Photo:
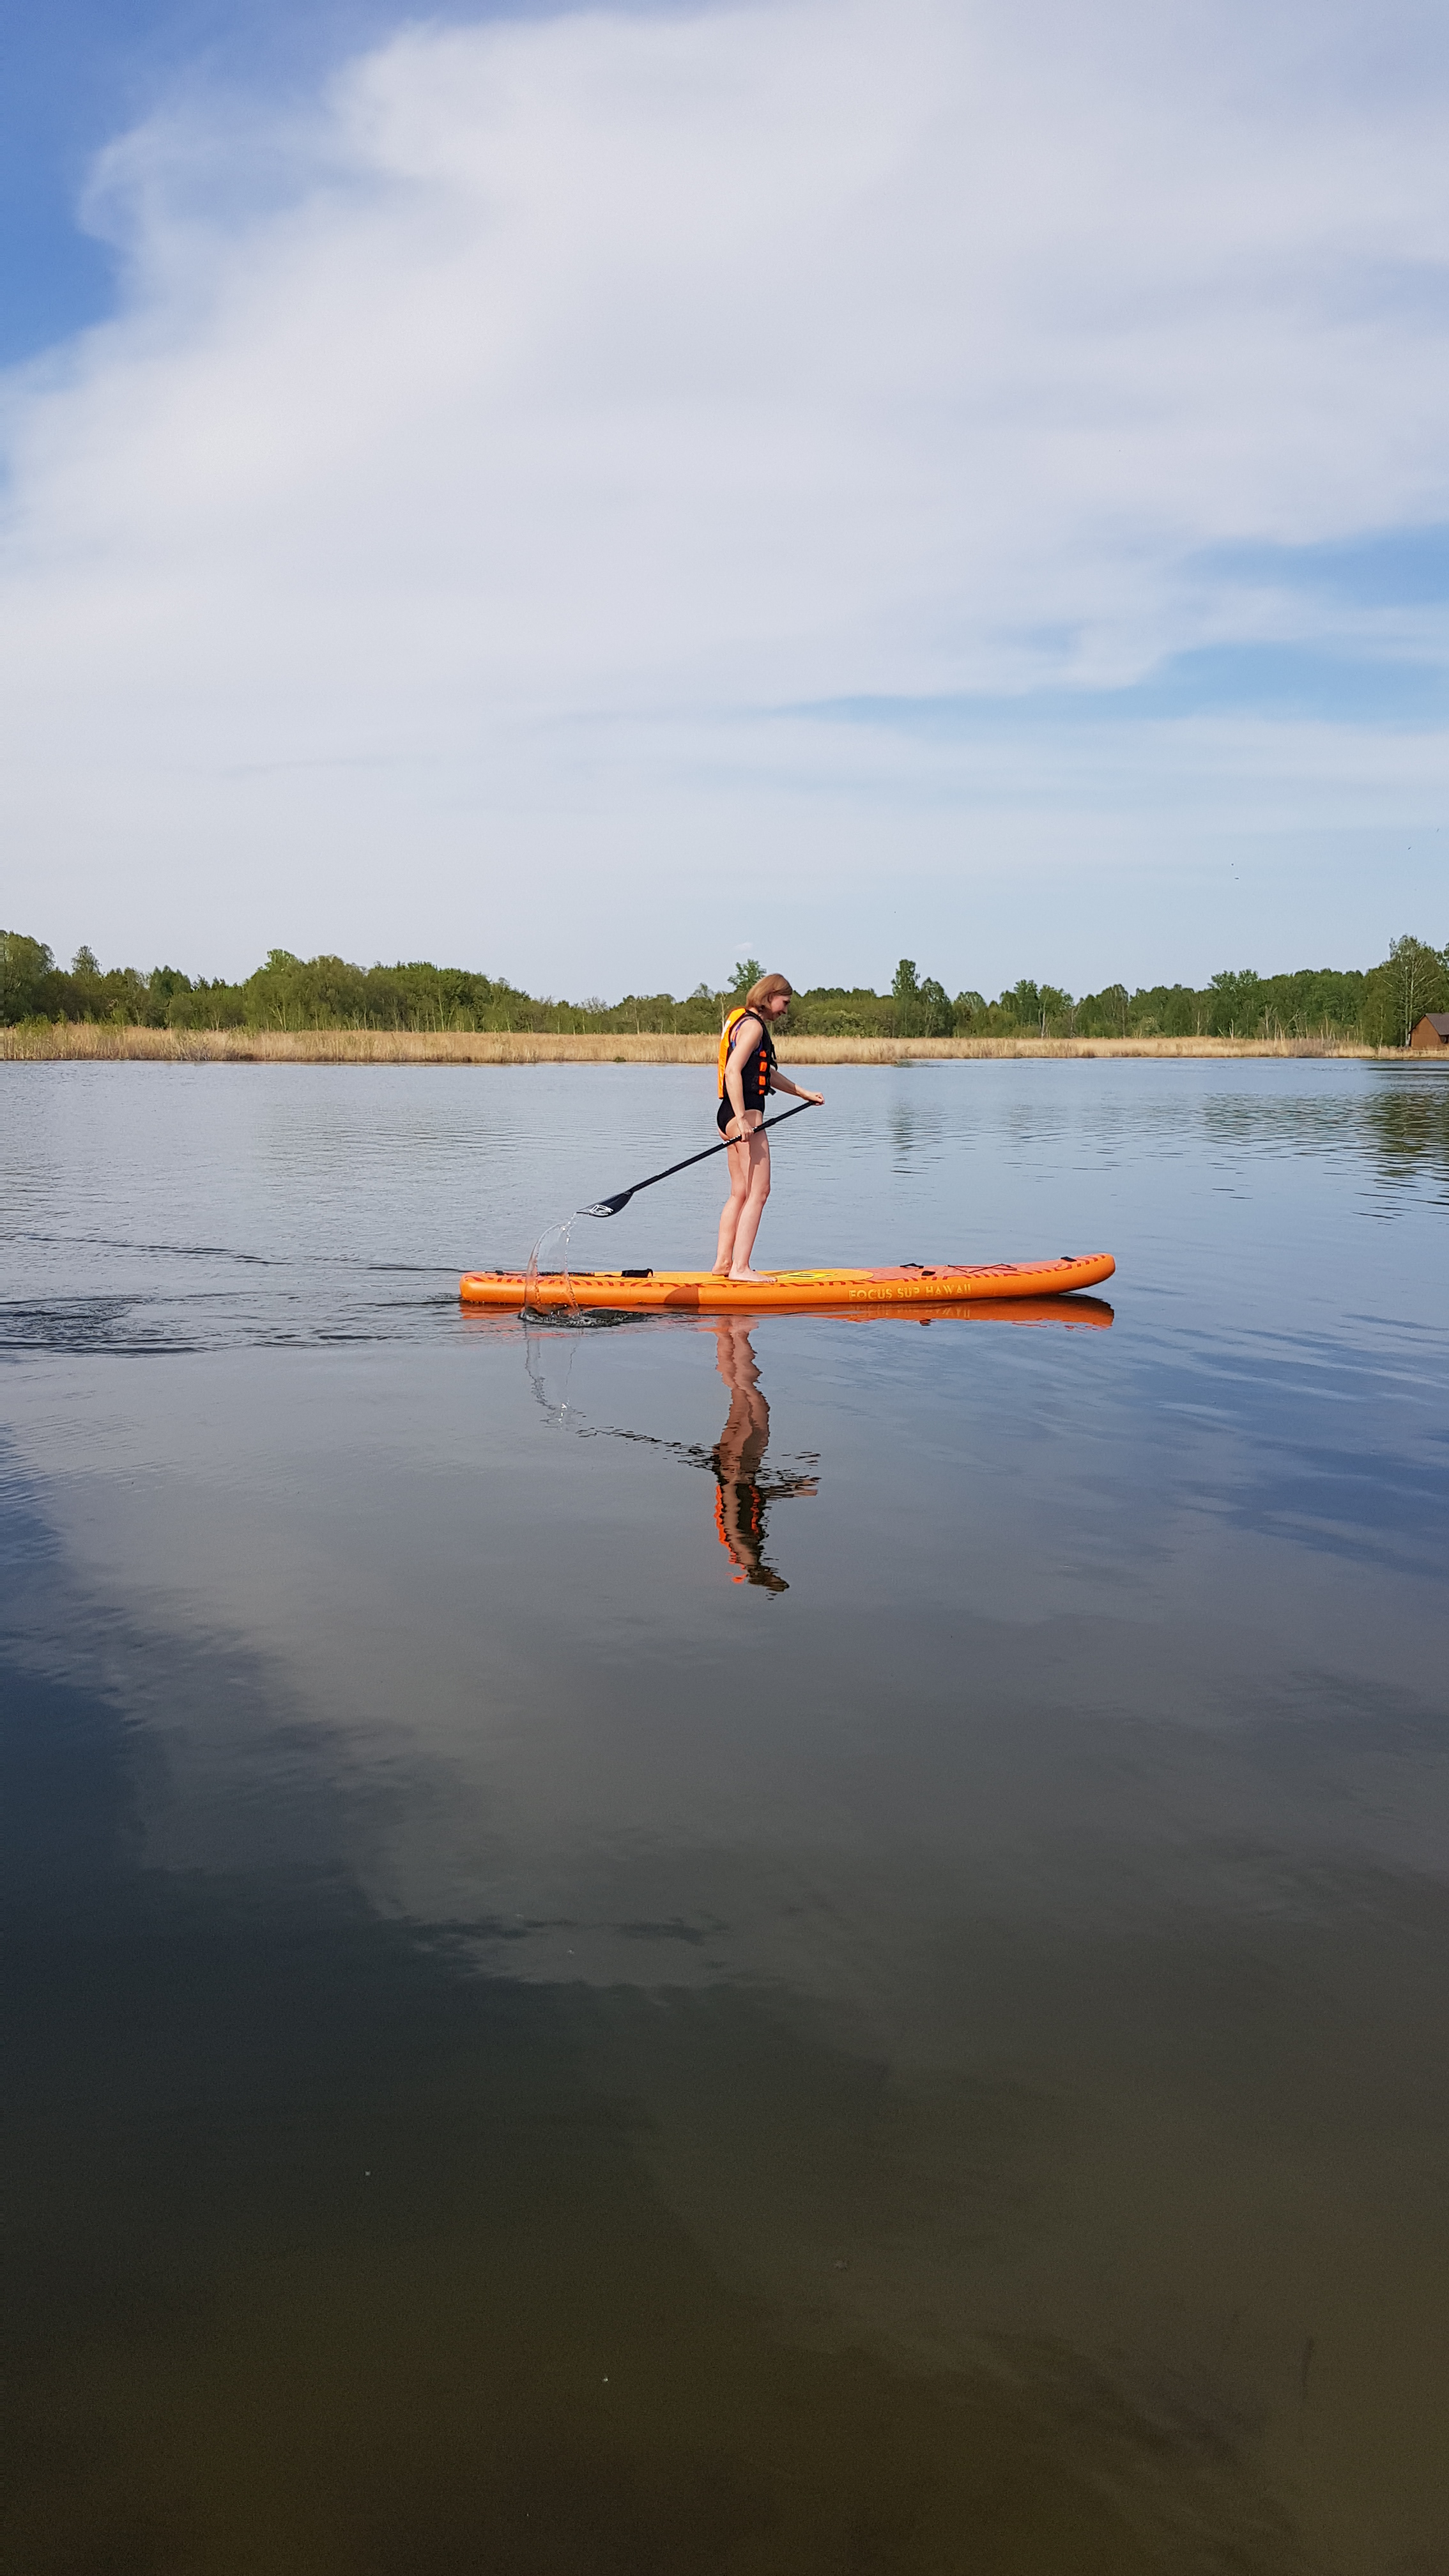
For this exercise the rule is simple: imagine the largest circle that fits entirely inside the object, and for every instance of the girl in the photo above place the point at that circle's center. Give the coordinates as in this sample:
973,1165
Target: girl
747,1072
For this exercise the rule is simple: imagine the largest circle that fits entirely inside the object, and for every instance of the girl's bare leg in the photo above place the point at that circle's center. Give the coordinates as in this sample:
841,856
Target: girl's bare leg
747,1225
742,1441
740,1450
737,1161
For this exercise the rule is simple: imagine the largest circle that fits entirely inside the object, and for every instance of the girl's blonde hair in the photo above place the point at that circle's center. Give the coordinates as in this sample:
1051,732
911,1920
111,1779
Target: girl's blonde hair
766,989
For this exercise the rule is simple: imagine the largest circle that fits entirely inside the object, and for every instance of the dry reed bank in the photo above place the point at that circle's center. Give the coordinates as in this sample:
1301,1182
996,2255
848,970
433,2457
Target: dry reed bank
89,1041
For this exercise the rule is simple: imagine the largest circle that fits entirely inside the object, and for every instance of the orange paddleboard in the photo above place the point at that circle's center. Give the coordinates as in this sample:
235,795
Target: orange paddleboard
699,1292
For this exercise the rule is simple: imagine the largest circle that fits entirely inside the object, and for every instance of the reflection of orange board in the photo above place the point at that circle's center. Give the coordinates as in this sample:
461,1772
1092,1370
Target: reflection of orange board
1006,1310
700,1292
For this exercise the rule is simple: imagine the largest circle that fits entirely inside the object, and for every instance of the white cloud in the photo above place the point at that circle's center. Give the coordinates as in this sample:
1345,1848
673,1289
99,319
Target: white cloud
476,467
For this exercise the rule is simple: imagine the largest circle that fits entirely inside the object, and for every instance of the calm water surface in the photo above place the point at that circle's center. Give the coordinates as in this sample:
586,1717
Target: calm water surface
565,2014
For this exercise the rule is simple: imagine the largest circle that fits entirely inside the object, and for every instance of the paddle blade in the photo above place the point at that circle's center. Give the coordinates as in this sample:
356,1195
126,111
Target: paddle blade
608,1207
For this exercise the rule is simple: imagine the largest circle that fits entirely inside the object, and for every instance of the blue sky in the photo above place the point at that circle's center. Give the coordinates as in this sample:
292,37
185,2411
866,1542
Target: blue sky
590,492
77,72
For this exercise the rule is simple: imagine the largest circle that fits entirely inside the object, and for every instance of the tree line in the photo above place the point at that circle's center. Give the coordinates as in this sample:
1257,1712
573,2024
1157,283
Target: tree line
1376,1005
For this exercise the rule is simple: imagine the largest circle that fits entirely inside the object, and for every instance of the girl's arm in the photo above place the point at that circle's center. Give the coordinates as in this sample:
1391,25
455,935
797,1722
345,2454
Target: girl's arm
781,1082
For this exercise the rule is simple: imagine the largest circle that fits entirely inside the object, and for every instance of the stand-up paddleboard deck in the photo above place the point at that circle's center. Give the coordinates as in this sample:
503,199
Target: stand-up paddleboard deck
699,1292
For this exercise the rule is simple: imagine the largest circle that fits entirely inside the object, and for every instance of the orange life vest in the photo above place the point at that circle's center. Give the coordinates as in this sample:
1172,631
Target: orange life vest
759,1064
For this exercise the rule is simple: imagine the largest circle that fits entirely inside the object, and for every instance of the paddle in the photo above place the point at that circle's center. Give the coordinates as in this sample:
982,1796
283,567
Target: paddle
621,1198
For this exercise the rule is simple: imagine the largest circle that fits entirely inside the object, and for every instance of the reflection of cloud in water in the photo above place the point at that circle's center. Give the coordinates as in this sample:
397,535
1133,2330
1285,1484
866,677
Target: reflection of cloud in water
972,2075
594,2266
501,2072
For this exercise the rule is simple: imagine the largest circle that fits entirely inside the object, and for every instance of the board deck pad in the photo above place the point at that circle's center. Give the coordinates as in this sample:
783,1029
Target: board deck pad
700,1292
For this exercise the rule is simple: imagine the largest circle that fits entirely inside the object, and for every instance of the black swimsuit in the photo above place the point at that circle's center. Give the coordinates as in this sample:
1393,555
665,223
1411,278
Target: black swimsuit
758,1066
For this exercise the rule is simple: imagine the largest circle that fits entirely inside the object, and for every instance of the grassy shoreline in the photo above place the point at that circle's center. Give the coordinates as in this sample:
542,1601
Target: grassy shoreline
93,1042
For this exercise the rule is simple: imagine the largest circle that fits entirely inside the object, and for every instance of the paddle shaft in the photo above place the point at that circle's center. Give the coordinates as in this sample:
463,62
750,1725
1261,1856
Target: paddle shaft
621,1198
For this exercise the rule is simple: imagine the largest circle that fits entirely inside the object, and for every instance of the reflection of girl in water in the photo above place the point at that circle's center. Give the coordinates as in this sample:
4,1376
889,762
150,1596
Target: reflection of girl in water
742,1494
739,1454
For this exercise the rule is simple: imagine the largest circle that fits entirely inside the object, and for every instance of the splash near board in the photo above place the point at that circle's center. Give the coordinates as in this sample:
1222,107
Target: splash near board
700,1292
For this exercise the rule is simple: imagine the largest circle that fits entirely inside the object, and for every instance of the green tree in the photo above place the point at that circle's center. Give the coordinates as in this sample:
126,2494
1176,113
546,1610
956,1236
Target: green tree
906,995
1235,1004
1166,1010
1413,979
24,966
1043,1008
833,1011
937,1018
747,972
89,992
1021,1006
1107,1014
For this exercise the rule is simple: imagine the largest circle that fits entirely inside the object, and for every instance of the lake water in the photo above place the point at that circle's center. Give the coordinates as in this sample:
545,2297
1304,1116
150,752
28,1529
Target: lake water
564,2018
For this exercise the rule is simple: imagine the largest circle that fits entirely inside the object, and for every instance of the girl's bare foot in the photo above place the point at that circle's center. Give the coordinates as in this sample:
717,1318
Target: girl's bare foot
750,1275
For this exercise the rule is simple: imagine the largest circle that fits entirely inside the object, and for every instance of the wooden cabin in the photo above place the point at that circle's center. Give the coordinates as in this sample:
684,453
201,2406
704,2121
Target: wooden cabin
1431,1031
